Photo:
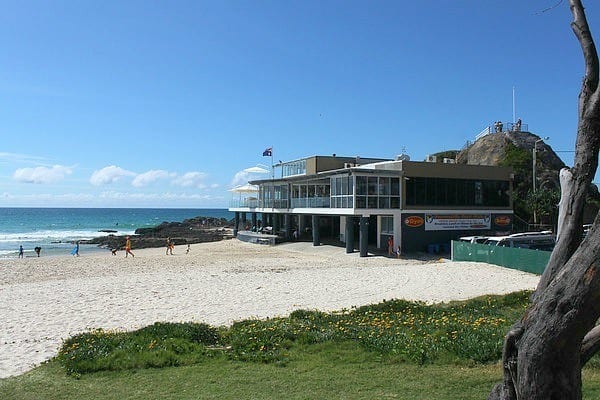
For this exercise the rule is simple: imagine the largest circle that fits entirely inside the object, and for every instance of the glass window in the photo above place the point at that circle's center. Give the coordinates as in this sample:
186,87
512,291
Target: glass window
372,189
361,185
395,186
478,193
384,186
387,225
384,202
372,202
361,201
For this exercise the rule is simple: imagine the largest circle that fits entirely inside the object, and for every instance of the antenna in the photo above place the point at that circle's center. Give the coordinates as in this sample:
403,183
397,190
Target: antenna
514,107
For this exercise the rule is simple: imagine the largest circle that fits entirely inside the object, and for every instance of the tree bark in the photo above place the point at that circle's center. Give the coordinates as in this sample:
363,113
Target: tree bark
544,351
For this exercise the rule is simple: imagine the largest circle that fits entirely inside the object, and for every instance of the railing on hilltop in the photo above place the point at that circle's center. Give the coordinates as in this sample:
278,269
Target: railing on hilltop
499,127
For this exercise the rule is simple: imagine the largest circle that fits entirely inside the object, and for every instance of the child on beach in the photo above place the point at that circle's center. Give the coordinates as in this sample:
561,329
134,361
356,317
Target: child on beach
128,247
170,246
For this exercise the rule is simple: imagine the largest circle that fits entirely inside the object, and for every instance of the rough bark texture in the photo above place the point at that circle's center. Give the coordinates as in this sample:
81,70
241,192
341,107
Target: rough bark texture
545,350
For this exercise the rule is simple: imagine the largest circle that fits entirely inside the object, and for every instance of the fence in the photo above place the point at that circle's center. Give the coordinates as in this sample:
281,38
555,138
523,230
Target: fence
526,260
502,127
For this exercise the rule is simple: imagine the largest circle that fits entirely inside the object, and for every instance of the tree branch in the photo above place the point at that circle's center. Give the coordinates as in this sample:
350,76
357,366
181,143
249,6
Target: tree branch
590,345
584,36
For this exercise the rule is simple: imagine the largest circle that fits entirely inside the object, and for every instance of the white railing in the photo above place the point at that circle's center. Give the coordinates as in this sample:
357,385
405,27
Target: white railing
483,133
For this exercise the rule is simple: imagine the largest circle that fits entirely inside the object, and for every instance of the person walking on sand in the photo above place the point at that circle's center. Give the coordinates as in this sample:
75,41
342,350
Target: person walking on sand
128,247
188,249
390,246
75,250
21,252
170,246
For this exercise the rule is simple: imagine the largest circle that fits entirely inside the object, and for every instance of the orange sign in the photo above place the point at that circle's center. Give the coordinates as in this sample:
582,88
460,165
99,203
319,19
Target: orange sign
502,220
414,221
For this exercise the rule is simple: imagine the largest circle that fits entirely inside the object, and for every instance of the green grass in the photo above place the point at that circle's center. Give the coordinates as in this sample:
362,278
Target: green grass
395,349
324,371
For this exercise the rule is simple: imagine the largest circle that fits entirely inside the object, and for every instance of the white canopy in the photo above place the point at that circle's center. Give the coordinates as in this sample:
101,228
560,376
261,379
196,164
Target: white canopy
247,188
257,170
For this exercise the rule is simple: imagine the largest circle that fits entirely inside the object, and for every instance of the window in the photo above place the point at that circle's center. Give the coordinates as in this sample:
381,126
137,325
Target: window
294,168
456,192
387,225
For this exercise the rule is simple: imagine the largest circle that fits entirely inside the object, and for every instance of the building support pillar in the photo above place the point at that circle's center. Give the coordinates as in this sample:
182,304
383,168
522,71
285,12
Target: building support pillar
287,221
349,235
236,223
253,222
244,221
315,230
364,236
276,224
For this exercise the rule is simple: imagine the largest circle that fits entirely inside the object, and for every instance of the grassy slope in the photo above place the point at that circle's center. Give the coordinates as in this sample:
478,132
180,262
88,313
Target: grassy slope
330,371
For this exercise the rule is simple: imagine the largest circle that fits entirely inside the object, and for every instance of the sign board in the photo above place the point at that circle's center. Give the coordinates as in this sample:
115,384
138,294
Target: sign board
456,222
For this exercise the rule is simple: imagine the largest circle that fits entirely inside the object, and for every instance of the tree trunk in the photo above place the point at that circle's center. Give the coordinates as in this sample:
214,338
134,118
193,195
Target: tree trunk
544,352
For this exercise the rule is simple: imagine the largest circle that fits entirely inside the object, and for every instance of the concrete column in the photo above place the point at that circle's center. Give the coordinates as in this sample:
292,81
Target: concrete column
398,231
287,221
236,223
364,236
349,234
253,221
244,220
276,223
315,230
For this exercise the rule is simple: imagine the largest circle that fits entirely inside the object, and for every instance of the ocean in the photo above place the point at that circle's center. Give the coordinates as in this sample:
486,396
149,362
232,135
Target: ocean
55,229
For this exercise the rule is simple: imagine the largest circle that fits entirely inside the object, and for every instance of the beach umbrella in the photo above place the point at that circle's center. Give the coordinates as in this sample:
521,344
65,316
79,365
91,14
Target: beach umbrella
247,188
257,170
244,189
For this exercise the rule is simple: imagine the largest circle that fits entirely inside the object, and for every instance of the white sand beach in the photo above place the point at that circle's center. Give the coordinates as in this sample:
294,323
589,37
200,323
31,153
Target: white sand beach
45,300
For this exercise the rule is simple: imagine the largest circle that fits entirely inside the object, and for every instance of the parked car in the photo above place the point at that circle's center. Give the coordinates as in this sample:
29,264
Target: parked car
473,239
544,240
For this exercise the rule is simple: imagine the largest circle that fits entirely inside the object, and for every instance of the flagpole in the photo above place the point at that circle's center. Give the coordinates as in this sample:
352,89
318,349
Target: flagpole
272,168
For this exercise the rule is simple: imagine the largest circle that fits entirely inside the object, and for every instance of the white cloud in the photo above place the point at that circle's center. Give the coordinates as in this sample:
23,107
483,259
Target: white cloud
150,177
109,174
191,179
42,175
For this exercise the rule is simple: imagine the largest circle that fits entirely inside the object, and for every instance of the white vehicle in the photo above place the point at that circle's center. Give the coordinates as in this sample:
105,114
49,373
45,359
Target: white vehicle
527,240
473,239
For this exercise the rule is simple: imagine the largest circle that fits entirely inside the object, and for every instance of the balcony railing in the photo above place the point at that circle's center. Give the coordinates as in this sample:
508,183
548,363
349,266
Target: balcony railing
307,202
311,202
243,203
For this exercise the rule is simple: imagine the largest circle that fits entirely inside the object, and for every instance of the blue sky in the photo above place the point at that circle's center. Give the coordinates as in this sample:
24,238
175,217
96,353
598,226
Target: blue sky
165,103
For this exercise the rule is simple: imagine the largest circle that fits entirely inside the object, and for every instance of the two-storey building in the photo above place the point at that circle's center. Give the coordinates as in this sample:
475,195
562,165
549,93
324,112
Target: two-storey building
365,201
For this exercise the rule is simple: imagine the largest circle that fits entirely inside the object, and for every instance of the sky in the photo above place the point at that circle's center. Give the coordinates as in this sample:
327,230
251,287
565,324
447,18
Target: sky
165,103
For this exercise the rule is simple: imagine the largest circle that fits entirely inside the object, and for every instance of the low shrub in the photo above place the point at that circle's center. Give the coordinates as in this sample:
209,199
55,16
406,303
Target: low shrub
157,345
470,331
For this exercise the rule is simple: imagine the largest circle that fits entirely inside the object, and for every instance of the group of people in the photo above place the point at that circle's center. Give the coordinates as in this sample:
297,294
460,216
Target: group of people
171,246
37,250
516,127
75,251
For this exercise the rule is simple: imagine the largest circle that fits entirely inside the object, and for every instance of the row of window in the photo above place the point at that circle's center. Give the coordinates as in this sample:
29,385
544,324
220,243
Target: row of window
384,193
457,192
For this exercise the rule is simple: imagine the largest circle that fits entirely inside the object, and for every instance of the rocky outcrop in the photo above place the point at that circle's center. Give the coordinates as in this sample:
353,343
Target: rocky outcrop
194,230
